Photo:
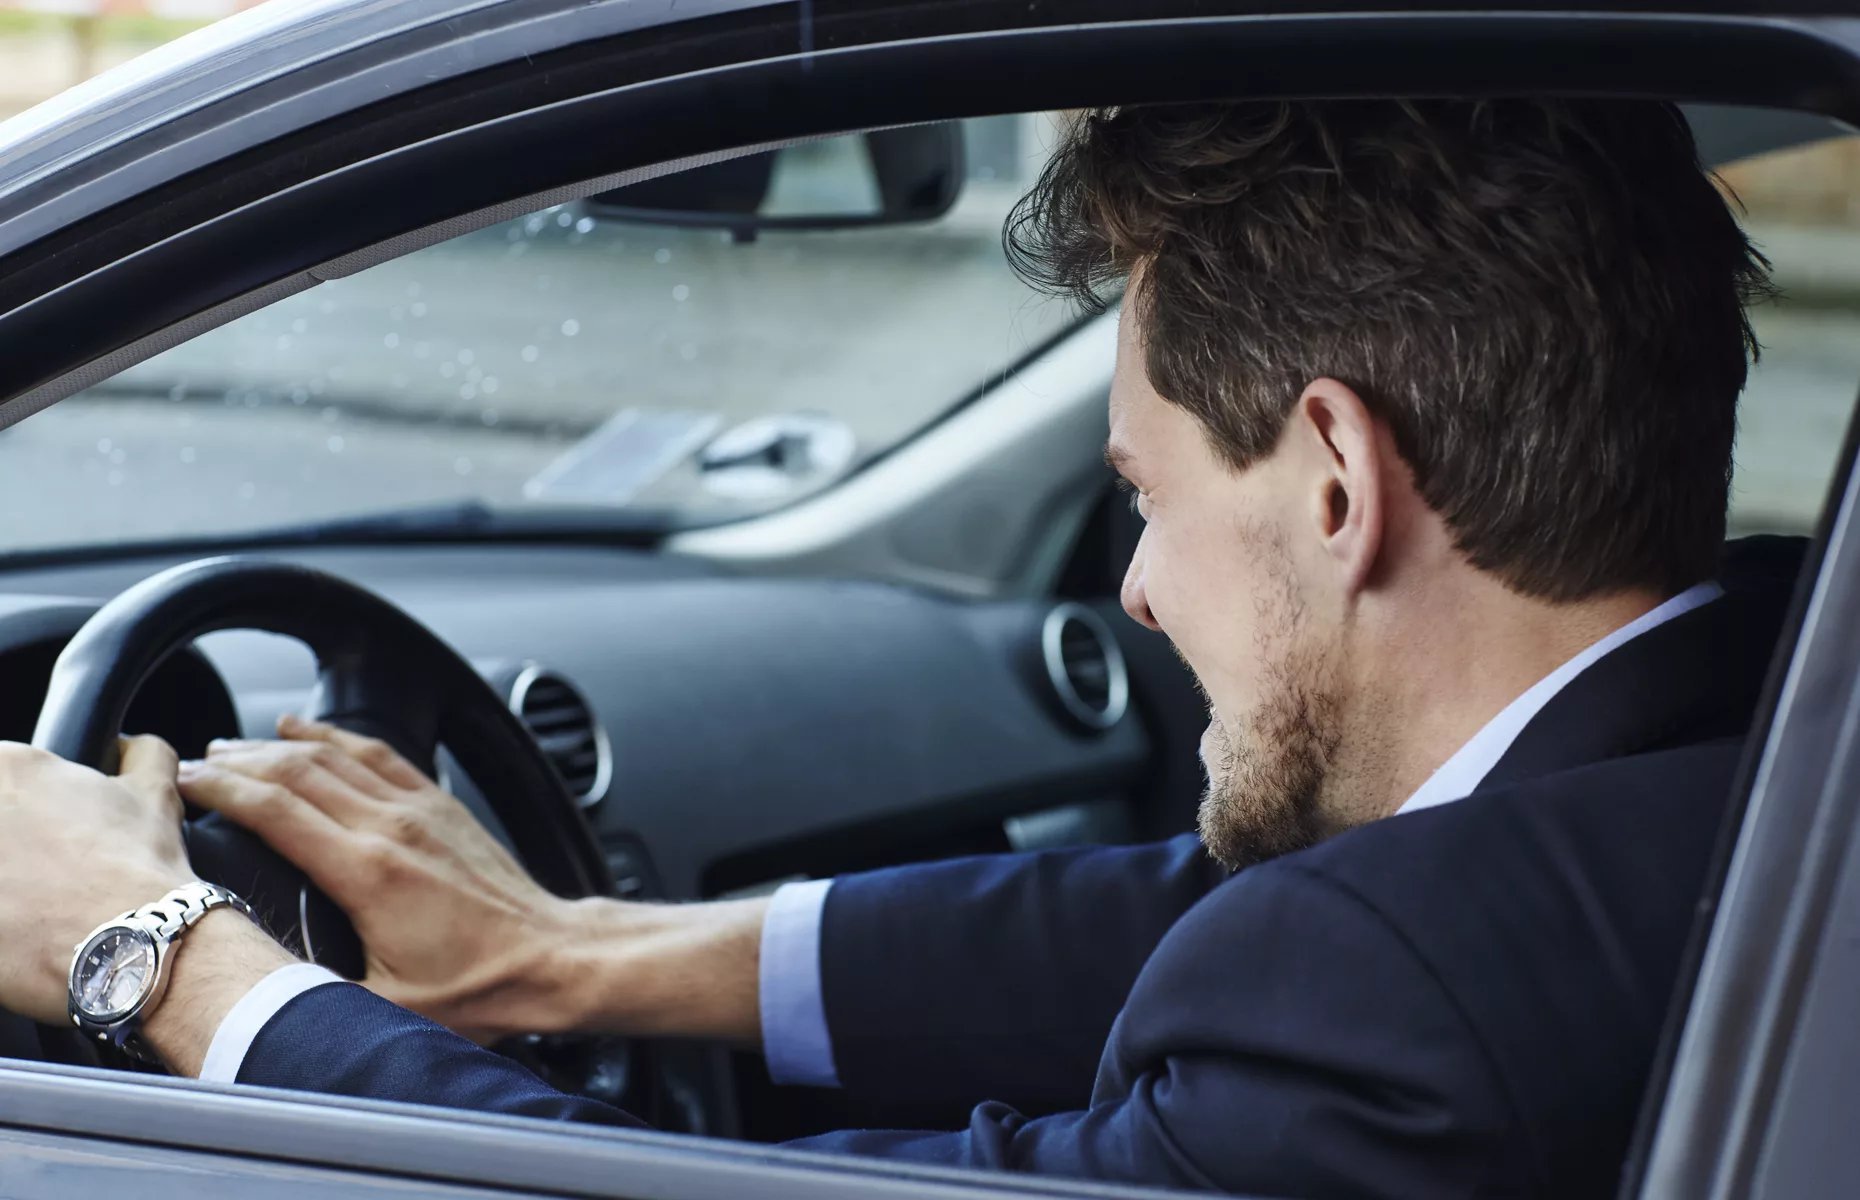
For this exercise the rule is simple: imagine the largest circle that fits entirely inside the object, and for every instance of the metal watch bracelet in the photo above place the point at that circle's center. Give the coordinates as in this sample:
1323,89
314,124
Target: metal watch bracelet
164,921
185,905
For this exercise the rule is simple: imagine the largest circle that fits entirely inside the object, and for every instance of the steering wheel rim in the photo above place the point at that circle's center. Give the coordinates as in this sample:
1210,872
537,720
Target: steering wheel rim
379,672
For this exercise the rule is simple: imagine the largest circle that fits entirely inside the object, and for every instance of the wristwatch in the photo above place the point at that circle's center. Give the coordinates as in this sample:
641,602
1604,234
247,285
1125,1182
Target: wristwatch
120,971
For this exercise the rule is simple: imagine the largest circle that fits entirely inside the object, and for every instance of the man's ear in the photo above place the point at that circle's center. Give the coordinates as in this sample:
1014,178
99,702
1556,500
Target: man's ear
1345,483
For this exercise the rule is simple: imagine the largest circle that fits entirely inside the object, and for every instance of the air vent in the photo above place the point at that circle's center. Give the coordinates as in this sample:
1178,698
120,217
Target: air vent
564,725
1085,666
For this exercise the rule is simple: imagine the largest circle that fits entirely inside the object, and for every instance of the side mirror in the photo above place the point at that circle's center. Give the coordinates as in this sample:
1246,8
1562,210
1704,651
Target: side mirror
889,177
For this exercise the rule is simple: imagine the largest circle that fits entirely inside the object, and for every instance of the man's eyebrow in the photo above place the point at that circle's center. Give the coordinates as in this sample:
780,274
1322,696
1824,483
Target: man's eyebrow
1116,457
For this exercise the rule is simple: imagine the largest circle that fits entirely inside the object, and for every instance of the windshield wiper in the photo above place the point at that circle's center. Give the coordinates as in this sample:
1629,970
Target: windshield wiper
469,520
463,521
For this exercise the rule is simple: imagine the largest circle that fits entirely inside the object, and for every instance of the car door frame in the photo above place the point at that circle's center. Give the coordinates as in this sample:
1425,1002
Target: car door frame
77,305
1757,1063
65,1131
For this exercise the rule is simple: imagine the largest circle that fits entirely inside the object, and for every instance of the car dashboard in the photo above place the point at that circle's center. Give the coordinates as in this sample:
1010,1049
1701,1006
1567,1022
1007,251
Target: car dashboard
726,733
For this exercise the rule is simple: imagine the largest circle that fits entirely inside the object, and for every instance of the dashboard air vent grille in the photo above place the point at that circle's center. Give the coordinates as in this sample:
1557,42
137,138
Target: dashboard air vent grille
564,725
1085,666
1082,658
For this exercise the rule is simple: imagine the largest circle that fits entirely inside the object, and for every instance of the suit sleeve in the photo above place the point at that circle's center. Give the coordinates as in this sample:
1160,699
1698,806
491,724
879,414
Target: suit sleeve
995,977
944,984
341,1039
1284,1040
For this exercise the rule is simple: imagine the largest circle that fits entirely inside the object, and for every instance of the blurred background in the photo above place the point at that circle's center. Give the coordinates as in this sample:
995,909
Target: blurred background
510,364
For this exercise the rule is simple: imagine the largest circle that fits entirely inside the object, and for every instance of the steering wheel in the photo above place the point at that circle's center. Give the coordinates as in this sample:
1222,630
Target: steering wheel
379,673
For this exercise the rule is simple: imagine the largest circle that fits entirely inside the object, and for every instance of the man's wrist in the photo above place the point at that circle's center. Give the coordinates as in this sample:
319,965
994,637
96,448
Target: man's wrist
656,970
216,962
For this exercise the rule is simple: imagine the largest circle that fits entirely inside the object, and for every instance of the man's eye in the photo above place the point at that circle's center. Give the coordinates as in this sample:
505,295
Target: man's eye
1136,497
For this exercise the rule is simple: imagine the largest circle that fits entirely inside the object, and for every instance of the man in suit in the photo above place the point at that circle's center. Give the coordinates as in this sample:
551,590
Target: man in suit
1429,411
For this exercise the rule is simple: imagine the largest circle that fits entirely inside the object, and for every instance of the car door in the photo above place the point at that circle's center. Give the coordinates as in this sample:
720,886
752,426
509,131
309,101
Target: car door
1760,1075
134,218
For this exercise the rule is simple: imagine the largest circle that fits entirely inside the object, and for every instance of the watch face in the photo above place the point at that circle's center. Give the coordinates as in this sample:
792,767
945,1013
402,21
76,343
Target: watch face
115,970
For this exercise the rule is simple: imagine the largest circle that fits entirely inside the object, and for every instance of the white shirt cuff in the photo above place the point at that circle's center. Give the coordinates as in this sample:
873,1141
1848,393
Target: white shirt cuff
794,1011
241,1025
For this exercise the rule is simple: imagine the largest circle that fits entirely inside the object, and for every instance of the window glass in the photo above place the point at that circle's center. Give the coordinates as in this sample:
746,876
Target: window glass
582,359
575,358
1802,207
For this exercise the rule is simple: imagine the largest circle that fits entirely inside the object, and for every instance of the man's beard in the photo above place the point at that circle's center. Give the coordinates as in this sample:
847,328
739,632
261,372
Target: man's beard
1266,778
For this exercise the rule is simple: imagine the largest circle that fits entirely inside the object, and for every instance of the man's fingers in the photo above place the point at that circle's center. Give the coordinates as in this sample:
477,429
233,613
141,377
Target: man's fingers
293,826
320,779
147,759
372,753
147,767
285,758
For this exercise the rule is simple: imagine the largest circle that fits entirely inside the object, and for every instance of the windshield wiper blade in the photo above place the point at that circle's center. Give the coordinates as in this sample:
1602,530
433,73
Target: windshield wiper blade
469,519
464,521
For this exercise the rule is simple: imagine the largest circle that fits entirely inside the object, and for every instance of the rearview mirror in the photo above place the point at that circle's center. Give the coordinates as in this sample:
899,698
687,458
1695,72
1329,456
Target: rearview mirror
888,177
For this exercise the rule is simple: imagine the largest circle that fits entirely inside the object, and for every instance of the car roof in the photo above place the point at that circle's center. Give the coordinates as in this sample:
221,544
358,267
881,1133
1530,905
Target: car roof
216,66
179,76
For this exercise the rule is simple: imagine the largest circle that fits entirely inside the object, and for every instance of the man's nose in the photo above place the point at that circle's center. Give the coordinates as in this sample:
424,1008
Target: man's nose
1136,599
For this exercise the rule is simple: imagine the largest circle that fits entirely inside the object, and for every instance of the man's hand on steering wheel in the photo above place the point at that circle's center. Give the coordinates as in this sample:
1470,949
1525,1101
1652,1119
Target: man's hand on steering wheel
453,927
449,923
77,848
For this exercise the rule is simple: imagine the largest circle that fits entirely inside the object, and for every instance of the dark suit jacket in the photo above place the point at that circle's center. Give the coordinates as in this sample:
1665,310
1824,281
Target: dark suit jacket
1460,1001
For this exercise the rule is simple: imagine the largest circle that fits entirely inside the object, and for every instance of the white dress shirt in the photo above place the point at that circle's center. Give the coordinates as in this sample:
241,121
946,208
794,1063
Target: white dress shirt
795,1038
1470,764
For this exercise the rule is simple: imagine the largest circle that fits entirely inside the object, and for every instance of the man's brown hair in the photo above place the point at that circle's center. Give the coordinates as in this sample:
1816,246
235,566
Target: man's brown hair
1545,300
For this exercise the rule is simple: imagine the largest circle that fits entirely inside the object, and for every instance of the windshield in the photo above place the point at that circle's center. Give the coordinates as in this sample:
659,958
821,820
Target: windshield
573,359
580,367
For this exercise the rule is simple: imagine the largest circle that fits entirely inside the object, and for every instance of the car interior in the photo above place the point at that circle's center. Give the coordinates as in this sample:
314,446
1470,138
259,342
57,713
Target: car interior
805,583
757,495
